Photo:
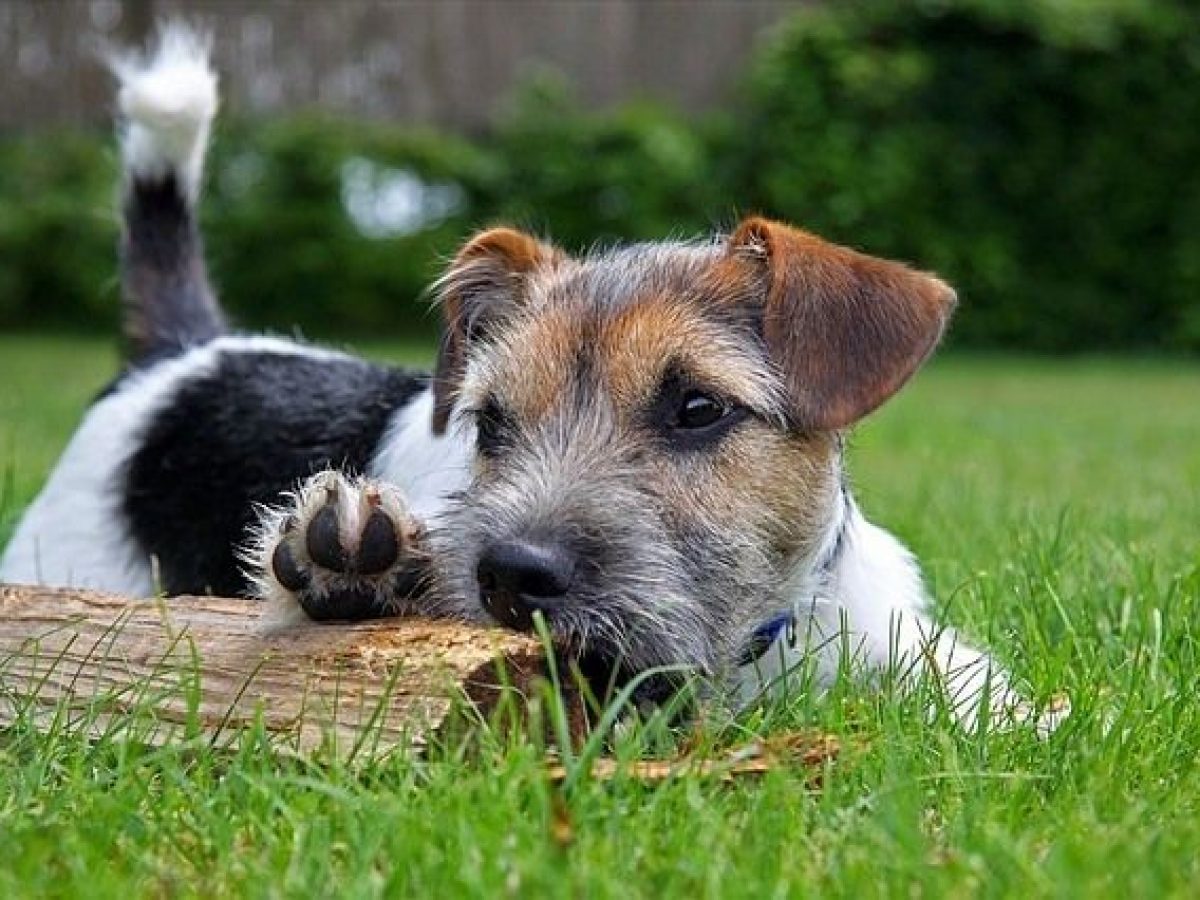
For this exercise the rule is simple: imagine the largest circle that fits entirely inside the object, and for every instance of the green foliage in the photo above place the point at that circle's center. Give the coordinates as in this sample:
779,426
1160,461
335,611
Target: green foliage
1061,531
57,230
284,243
1041,154
334,225
639,173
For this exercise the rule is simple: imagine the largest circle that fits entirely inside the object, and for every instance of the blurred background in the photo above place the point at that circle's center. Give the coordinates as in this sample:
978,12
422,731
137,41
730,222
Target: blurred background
1042,155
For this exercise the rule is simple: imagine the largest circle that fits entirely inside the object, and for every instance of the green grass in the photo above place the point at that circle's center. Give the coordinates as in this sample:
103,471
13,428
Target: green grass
1056,508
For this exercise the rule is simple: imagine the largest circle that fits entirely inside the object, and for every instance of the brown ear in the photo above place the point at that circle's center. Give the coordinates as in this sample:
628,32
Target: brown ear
847,330
485,280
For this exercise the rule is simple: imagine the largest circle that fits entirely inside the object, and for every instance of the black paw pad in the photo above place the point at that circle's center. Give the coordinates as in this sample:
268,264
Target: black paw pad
288,573
324,542
346,605
379,546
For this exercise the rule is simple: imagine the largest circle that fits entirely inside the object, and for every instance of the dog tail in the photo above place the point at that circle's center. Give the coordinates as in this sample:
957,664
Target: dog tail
167,100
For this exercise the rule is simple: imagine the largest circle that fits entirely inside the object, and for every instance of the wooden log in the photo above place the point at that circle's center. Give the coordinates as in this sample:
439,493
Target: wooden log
160,671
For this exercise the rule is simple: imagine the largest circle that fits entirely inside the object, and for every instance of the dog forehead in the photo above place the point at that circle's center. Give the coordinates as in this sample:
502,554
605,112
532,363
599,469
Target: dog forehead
609,279
616,322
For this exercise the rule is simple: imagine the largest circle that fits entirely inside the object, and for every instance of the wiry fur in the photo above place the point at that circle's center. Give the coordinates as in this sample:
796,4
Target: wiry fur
553,420
577,361
685,552
81,529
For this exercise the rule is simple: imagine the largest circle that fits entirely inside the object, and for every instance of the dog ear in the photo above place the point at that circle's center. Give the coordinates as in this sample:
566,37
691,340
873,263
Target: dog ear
486,279
846,330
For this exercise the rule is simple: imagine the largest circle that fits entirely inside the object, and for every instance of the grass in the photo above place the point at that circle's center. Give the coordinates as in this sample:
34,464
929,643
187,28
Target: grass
1056,508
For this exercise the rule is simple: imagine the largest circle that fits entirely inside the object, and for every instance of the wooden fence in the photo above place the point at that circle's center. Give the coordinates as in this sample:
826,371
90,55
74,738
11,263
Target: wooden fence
447,63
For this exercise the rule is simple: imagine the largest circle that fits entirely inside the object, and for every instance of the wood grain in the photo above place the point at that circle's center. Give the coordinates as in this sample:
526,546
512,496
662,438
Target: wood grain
188,667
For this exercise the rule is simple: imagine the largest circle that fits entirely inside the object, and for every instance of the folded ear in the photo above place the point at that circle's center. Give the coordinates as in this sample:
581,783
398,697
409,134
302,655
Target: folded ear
846,330
485,281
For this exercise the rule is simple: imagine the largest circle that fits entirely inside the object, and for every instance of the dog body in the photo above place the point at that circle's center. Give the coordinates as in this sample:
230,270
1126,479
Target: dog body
643,446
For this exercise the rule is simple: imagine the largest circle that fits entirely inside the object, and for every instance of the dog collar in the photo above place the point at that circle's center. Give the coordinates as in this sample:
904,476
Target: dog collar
764,636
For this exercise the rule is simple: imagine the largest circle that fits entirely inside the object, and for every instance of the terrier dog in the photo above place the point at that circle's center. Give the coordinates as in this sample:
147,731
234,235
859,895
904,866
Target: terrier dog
642,445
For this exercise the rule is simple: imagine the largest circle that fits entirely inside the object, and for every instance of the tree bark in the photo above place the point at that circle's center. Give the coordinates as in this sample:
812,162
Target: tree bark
159,671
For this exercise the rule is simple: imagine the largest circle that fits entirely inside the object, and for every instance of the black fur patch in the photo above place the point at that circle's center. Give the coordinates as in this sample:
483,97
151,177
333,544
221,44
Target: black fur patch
169,305
242,435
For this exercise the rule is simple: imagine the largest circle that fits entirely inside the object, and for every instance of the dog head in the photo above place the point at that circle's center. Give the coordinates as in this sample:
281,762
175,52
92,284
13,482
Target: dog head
657,428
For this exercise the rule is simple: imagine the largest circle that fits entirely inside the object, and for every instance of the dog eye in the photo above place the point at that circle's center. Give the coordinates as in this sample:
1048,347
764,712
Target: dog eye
699,410
690,417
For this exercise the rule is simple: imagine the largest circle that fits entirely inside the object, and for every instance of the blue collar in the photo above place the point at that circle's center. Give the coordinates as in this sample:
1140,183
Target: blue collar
768,632
763,637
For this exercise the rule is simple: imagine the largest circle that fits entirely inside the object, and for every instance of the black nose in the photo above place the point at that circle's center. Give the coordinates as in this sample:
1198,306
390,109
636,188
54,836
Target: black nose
517,578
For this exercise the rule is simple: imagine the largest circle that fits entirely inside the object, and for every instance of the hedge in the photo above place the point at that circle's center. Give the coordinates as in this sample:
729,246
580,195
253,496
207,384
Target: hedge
1044,156
1041,154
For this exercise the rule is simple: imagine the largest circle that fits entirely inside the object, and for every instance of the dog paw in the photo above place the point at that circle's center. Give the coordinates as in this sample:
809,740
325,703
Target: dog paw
344,548
997,707
1043,720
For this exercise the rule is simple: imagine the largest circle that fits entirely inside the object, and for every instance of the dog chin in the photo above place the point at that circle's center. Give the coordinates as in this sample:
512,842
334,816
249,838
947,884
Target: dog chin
607,674
652,675
606,678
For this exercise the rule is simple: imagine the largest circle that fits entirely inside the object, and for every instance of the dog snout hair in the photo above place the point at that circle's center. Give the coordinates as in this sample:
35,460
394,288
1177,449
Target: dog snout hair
567,521
637,406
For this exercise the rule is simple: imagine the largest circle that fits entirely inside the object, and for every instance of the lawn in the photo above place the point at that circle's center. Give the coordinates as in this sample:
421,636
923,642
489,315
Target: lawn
1056,506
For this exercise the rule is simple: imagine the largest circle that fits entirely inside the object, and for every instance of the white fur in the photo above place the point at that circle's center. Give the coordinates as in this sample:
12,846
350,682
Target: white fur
168,99
881,602
426,467
72,535
872,605
872,608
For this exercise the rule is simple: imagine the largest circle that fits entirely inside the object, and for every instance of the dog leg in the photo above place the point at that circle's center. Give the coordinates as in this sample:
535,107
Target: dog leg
977,688
880,606
344,548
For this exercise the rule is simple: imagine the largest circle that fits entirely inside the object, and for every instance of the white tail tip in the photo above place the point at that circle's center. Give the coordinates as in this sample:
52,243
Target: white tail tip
168,97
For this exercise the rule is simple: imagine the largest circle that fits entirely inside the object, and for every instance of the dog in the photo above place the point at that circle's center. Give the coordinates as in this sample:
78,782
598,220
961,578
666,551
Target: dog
641,447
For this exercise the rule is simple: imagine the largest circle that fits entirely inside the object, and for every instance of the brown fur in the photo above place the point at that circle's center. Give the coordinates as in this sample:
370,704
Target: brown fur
490,268
655,446
847,329
779,481
684,548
